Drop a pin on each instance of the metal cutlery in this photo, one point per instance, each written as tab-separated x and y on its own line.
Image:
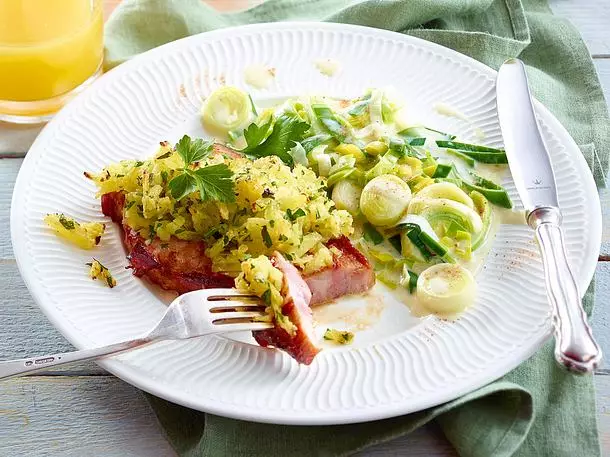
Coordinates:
530	165
198	313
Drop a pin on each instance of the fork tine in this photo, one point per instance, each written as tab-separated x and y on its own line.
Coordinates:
229	294
243	327
236	315
230	309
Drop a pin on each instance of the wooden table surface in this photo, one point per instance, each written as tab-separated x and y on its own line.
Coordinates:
80	410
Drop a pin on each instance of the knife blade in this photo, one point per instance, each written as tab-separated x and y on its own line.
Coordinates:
528	158
530	165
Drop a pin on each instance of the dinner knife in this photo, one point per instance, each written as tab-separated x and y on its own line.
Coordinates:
530	165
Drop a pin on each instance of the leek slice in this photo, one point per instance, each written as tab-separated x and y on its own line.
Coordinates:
483	154
385	199
446	190
299	155
371	234
446	289
468	147
226	109
442	170
416	131
495	193
439	210
346	195
330	121
313	141
484	210
469	160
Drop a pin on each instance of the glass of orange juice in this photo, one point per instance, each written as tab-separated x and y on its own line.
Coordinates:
49	51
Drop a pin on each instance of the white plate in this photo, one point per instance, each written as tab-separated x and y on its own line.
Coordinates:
400	364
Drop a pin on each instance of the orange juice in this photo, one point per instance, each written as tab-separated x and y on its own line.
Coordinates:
47	49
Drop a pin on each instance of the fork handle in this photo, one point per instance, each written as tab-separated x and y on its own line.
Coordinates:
575	347
14	368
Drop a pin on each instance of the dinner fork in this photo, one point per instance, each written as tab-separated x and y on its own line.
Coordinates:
198	313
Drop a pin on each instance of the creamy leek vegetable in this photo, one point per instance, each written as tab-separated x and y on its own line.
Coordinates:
385	199
421	199
446	289
227	109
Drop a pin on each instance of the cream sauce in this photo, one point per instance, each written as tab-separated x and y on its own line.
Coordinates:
359	318
259	76
327	67
447	110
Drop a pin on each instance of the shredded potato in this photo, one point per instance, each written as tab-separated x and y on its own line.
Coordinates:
85	235
261	278
99	271
276	209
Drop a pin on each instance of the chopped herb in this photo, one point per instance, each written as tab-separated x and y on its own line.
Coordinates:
267	193
338	336
68	224
129	204
139	163
283	237
165	156
271	223
293	216
267	297
164	176
266	237
210	232
288	257
99	271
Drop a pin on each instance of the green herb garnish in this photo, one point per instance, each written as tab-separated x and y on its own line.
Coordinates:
266	237
293	216
338	336
67	223
286	132
214	182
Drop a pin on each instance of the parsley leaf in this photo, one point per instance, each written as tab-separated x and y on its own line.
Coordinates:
215	183
182	185
256	134
287	131
193	150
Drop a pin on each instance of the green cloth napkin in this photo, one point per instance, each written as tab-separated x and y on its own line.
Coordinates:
535	410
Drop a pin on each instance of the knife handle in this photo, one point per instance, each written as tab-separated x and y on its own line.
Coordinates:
575	348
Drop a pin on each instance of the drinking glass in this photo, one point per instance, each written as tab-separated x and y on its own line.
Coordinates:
49	51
